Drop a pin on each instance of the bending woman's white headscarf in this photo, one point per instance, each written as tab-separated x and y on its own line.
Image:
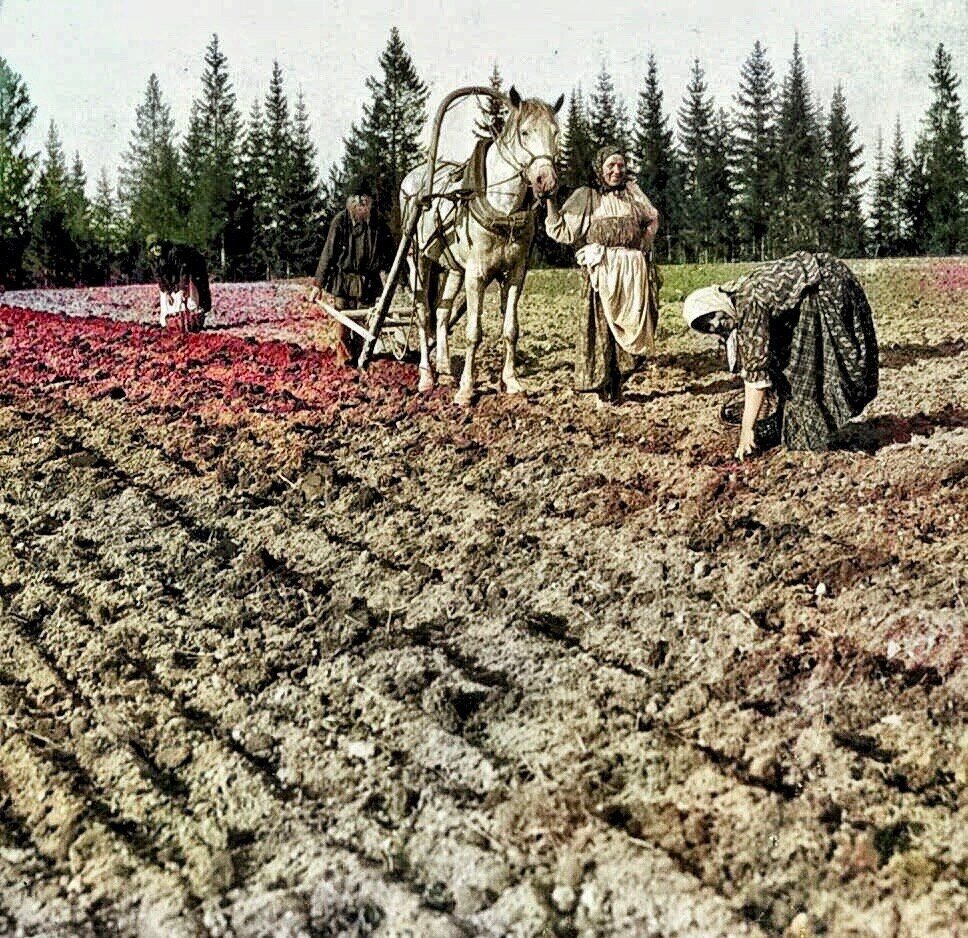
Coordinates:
699	311
704	302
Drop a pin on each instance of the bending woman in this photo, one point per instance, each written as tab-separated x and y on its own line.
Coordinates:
801	326
613	226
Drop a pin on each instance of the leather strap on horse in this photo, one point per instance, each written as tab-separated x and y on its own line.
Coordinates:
485	214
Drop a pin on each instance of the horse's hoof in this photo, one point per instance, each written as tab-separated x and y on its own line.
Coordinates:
426	383
464	398
446	381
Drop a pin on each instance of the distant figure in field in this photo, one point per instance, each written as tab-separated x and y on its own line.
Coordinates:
182	276
358	247
613	225
800	327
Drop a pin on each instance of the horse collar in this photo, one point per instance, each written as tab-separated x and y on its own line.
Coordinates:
482	211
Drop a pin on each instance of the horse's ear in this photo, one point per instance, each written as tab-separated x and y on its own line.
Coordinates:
514	97
558	103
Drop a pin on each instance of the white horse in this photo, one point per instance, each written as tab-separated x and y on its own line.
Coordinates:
478	229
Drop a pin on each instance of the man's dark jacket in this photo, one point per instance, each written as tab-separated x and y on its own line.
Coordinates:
353	256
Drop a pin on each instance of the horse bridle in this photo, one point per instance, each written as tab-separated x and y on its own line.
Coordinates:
522	168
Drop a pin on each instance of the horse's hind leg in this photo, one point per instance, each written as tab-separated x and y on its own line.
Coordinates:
445	306
510	293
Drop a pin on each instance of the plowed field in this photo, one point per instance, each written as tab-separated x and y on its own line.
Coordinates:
287	649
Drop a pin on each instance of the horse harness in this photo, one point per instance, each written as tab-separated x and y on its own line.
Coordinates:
470	196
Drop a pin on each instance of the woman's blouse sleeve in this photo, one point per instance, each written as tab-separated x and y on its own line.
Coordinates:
753	336
574	217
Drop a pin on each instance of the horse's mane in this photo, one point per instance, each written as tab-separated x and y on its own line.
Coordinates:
530	108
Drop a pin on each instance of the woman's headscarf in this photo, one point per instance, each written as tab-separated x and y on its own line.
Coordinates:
705	302
609	150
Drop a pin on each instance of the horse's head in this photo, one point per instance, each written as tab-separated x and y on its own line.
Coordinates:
530	142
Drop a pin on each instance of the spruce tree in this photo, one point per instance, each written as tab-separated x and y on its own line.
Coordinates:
385	146
655	158
696	140
843	231
248	248
799	164
302	208
493	111
107	236
882	207
608	120
331	192
16	173
945	164
916	199
53	257
211	158
578	152
720	173
271	202
896	171
79	222
755	137
150	177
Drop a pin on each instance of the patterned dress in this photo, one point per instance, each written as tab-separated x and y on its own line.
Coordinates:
613	233
805	328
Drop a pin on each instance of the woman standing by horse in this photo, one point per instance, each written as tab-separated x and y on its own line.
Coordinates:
613	226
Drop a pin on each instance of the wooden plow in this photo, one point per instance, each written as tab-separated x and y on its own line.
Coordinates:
384	315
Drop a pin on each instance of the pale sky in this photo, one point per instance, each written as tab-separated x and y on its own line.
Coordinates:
86	62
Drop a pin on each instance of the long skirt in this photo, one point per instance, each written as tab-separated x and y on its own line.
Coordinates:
827	353
618	320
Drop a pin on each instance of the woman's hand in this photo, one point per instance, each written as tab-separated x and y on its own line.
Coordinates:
752	403
747	446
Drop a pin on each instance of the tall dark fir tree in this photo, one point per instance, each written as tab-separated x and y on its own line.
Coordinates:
706	149
107	234
607	117
946	169
493	110
151	181
270	222
896	170
303	204
843	231
60	251
654	154
578	152
386	144
17	168
755	140
250	260
881	203
799	209
916	196
211	162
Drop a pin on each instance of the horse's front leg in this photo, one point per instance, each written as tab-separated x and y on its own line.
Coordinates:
474	289
452	285
510	294
426	382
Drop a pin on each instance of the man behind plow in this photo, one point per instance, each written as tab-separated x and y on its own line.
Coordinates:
359	246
